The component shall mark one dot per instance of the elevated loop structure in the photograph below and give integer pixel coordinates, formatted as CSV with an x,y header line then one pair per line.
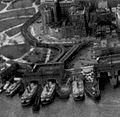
x,y
55,68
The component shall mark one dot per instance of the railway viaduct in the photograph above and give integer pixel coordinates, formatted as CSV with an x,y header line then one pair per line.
x,y
109,64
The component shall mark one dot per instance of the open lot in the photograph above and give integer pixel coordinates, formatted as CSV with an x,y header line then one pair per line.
x,y
4,25
17,13
2,6
14,51
22,11
13,31
20,4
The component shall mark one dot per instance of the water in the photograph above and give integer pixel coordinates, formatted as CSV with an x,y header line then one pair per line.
x,y
108,106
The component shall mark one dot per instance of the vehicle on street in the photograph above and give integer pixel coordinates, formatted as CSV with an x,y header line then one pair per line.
x,y
7,84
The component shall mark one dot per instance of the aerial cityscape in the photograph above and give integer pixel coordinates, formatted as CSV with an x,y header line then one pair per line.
x,y
60,58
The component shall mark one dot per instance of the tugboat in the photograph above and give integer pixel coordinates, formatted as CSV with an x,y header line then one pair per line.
x,y
78,92
91,83
64,90
48,93
29,94
13,88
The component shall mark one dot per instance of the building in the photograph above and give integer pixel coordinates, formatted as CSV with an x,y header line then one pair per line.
x,y
62,21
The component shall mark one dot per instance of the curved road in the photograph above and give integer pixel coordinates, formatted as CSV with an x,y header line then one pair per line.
x,y
34,42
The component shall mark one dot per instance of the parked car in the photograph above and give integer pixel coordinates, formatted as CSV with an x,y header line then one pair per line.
x,y
78,92
36,105
91,83
29,94
13,88
1,87
4,66
48,92
6,85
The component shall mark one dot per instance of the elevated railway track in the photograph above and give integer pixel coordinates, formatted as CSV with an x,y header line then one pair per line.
x,y
54,68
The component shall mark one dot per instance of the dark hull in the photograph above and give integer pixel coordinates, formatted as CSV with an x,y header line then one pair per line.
x,y
79,98
95,97
63,94
31,100
36,105
36,108
51,99
30,103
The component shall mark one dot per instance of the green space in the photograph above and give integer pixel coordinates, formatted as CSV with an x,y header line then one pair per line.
x,y
2,6
37,56
4,25
13,31
18,50
17,13
20,4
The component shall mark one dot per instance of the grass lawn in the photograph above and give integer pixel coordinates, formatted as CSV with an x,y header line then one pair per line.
x,y
17,13
2,6
20,4
14,51
11,23
13,31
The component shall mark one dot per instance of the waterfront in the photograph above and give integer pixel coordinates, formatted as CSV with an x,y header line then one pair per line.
x,y
108,106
